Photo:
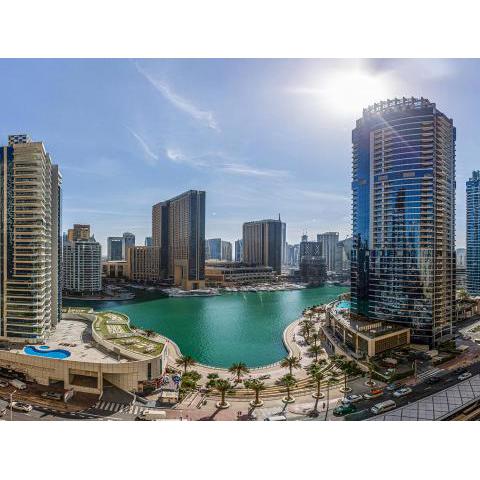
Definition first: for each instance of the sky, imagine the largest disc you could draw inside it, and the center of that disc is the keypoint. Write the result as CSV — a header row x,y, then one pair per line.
x,y
261,137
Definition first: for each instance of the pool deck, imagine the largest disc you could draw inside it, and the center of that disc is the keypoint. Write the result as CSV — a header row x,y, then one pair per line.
x,y
77,333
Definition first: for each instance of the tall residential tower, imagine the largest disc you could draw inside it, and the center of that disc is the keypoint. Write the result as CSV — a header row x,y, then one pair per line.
x,y
403,257
30,209
473,234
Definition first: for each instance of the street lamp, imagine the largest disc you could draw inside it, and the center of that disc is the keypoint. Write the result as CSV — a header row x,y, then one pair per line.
x,y
11,406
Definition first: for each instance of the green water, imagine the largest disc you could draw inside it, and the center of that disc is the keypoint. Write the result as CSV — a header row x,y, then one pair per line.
x,y
217,331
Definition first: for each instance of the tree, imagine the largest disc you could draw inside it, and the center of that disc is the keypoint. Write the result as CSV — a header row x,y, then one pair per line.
x,y
223,386
190,380
315,350
291,362
257,386
349,369
317,373
315,336
371,370
306,329
288,381
185,361
239,369
332,379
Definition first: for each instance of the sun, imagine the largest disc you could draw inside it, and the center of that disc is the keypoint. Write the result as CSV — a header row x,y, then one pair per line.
x,y
347,92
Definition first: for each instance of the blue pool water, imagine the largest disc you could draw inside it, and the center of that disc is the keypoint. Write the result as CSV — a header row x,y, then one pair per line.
x,y
45,351
343,304
44,347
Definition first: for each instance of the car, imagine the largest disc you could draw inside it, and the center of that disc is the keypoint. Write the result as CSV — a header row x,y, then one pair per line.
x,y
401,392
21,407
345,409
374,393
392,386
3,384
464,376
352,398
52,395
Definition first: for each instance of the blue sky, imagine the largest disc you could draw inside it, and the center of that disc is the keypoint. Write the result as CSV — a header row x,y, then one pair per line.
x,y
262,137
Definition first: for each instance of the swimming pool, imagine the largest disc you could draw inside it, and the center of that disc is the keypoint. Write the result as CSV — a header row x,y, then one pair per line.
x,y
343,305
45,351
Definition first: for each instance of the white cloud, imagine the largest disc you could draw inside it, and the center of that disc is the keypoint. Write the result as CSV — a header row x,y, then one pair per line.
x,y
177,156
250,171
203,116
150,156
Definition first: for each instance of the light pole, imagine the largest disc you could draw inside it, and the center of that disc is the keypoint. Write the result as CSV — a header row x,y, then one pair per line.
x,y
11,406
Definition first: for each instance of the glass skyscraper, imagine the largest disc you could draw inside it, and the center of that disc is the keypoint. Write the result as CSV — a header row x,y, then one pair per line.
x,y
473,234
403,257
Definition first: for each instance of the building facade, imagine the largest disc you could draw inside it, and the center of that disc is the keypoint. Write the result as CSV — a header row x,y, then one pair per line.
x,y
143,264
115,248
226,251
30,270
473,234
239,250
329,241
461,274
78,232
264,243
213,249
403,256
236,273
128,241
148,242
178,228
82,267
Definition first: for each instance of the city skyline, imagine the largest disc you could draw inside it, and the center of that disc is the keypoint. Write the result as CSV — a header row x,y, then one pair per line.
x,y
262,137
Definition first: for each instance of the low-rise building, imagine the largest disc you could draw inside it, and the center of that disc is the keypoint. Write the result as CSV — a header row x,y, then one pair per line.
x,y
361,337
234,273
115,269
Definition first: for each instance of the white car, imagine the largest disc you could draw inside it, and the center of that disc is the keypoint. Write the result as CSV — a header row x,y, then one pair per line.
x,y
21,407
352,398
401,392
464,376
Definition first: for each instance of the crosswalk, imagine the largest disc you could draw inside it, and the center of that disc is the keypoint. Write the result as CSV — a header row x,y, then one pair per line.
x,y
115,407
429,373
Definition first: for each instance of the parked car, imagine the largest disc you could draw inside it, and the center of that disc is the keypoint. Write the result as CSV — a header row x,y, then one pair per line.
x,y
21,407
18,384
392,386
383,407
374,393
401,392
3,384
464,376
352,398
344,409
52,395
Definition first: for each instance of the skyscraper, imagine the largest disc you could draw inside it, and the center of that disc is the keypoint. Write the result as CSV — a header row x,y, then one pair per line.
x,y
178,227
30,208
329,241
148,242
312,266
128,241
473,234
264,243
78,232
213,249
226,251
82,266
143,263
403,259
115,248
239,250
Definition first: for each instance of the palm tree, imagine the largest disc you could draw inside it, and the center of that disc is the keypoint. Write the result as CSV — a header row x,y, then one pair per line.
x,y
371,370
318,375
315,350
288,381
315,336
185,361
190,380
223,386
349,369
291,362
239,369
332,379
257,386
